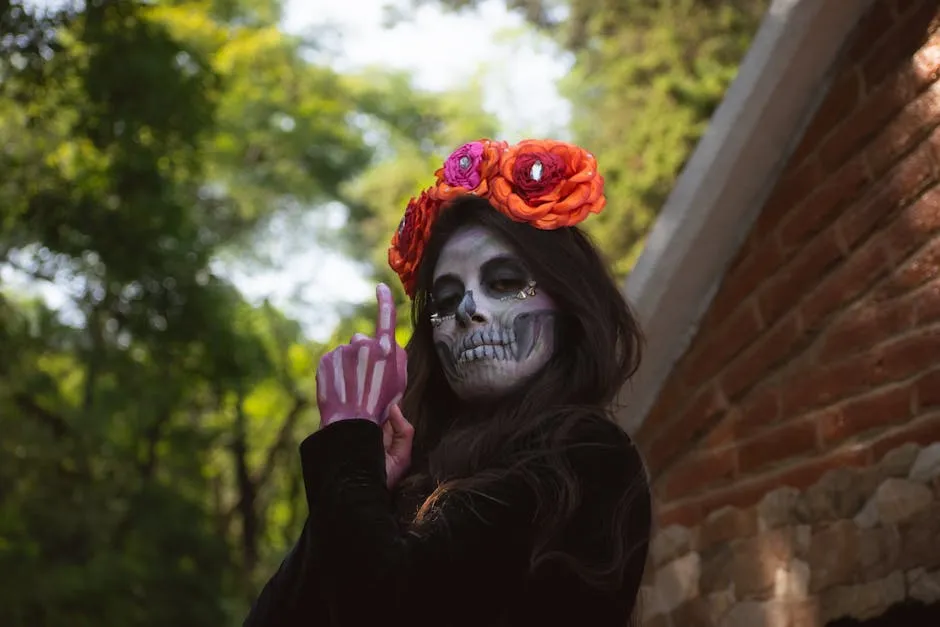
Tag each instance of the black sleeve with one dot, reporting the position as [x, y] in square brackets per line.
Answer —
[469, 558]
[292, 598]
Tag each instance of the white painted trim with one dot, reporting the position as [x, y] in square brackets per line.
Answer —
[722, 188]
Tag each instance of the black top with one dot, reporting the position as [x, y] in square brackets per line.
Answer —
[468, 563]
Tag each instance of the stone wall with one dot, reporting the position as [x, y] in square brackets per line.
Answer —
[852, 545]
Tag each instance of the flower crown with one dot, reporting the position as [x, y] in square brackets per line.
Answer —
[548, 184]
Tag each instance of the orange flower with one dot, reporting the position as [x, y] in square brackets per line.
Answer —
[547, 183]
[469, 170]
[404, 255]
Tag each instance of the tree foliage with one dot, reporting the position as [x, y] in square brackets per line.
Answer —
[150, 424]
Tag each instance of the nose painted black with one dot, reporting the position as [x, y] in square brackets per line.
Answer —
[467, 309]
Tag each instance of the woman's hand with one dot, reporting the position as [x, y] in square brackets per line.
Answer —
[365, 378]
[397, 435]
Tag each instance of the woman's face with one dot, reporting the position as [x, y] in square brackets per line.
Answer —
[493, 327]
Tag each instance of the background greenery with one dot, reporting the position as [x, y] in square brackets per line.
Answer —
[149, 425]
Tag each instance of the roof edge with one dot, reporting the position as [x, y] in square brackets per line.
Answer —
[724, 185]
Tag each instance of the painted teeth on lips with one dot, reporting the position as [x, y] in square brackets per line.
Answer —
[486, 344]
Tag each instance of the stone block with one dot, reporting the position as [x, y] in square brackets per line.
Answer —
[896, 500]
[920, 539]
[672, 542]
[716, 569]
[778, 509]
[792, 582]
[725, 524]
[923, 586]
[755, 562]
[897, 462]
[879, 552]
[840, 493]
[832, 555]
[862, 601]
[676, 582]
[927, 465]
[775, 613]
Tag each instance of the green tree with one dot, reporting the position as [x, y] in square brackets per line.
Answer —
[149, 426]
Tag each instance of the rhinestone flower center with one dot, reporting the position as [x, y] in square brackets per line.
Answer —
[536, 171]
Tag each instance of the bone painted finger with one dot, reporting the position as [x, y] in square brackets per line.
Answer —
[385, 324]
[339, 378]
[323, 380]
[375, 388]
[362, 366]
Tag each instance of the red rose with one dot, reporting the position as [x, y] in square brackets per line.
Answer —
[537, 173]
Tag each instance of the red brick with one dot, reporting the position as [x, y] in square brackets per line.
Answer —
[757, 411]
[823, 385]
[914, 228]
[858, 221]
[923, 431]
[926, 62]
[911, 354]
[790, 440]
[724, 433]
[658, 452]
[685, 514]
[701, 413]
[806, 269]
[928, 390]
[876, 22]
[794, 185]
[771, 349]
[729, 339]
[694, 473]
[924, 215]
[849, 280]
[868, 119]
[867, 324]
[922, 268]
[664, 447]
[819, 208]
[876, 410]
[901, 7]
[743, 280]
[842, 97]
[911, 125]
[928, 304]
[667, 407]
[899, 45]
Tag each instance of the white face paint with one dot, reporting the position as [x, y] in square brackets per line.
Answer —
[493, 327]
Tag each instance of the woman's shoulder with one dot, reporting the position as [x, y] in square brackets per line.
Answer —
[594, 443]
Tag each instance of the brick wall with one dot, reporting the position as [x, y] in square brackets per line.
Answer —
[822, 346]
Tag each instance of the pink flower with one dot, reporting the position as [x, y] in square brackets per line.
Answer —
[462, 168]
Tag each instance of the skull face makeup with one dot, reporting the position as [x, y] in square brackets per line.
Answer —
[493, 328]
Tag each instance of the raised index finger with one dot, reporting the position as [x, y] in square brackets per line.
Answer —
[385, 325]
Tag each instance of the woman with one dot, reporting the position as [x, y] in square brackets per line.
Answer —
[513, 499]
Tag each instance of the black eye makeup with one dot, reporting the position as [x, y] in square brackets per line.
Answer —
[504, 276]
[501, 278]
[446, 294]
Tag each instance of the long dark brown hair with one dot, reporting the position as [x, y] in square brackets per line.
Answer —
[459, 446]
